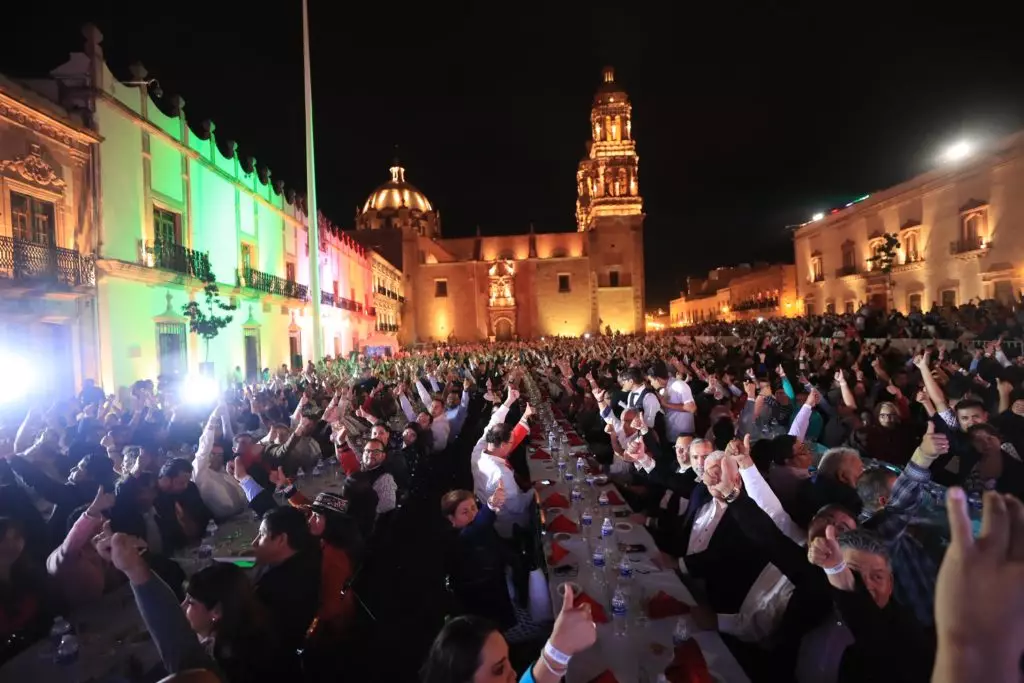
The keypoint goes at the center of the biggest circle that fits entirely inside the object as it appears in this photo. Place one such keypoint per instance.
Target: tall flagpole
(312, 216)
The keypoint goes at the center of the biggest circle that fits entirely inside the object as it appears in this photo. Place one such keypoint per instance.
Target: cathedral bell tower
(606, 181)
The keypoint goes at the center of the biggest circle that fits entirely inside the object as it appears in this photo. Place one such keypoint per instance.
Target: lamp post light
(958, 151)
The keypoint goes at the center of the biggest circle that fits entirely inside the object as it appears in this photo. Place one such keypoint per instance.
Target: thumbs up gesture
(824, 551)
(933, 445)
(497, 499)
(574, 628)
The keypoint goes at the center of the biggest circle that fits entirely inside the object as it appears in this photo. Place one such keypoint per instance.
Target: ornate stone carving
(23, 116)
(34, 168)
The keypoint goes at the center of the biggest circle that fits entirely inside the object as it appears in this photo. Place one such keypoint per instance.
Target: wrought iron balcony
(176, 258)
(387, 327)
(965, 246)
(271, 284)
(31, 262)
(326, 298)
(384, 291)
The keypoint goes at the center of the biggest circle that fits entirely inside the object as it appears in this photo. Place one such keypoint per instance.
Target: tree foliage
(204, 318)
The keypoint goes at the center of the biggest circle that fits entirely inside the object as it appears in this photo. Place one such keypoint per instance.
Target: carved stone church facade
(530, 285)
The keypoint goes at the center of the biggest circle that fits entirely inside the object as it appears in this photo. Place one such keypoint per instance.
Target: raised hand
(239, 469)
(528, 412)
(497, 499)
(894, 390)
(574, 628)
(126, 555)
(813, 398)
(979, 595)
(101, 503)
(824, 551)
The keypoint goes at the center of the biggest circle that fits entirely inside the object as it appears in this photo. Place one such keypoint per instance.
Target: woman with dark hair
(219, 626)
(231, 623)
(472, 650)
(416, 452)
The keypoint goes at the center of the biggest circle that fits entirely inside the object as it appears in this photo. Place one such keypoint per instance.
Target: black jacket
(291, 593)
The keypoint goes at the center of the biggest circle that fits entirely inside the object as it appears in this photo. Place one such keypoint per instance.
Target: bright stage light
(958, 151)
(586, 335)
(199, 389)
(20, 377)
(818, 216)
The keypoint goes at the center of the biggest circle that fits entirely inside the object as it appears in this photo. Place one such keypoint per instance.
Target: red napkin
(574, 440)
(606, 677)
(615, 499)
(596, 610)
(556, 500)
(689, 665)
(540, 454)
(663, 605)
(558, 553)
(563, 523)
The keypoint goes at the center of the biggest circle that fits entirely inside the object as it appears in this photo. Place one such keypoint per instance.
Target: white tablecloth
(648, 647)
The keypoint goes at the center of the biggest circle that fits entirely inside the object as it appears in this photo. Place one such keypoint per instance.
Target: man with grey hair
(834, 482)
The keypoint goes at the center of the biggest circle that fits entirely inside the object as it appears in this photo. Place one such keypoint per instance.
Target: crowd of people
(806, 487)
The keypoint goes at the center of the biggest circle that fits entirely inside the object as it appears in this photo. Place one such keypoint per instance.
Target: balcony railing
(757, 304)
(326, 298)
(31, 262)
(271, 284)
(965, 246)
(176, 258)
(384, 291)
(846, 270)
(387, 327)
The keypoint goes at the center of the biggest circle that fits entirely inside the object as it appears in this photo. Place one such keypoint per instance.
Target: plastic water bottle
(561, 468)
(682, 631)
(60, 628)
(317, 470)
(587, 522)
(620, 611)
(581, 466)
(602, 499)
(211, 529)
(607, 529)
(597, 562)
(570, 476)
(576, 495)
(67, 651)
(625, 570)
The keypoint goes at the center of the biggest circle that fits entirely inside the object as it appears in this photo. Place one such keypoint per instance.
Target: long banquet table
(647, 649)
(113, 642)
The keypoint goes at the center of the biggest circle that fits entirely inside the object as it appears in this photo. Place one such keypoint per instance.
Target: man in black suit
(288, 579)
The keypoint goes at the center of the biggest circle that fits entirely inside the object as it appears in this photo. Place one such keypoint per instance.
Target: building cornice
(192, 154)
(77, 141)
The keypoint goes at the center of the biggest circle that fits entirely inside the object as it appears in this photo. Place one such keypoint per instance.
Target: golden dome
(397, 194)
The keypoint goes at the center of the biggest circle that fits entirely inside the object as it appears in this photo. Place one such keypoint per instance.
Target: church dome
(397, 194)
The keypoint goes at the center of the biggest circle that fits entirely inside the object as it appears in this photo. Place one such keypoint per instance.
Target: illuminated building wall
(567, 283)
(47, 287)
(174, 202)
(959, 232)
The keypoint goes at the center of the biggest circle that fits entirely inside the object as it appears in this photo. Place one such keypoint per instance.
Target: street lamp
(818, 216)
(958, 151)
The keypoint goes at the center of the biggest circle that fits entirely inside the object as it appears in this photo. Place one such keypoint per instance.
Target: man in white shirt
(432, 417)
(493, 470)
(219, 490)
(676, 400)
(498, 416)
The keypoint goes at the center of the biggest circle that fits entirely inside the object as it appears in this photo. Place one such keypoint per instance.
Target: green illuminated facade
(174, 203)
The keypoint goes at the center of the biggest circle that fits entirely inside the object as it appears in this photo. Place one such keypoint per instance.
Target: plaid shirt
(903, 527)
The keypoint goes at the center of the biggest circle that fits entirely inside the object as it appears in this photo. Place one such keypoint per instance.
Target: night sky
(746, 120)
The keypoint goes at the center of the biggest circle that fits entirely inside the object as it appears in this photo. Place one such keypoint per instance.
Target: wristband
(552, 668)
(556, 655)
(289, 490)
(838, 569)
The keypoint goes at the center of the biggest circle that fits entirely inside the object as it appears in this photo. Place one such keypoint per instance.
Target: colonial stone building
(959, 233)
(738, 293)
(175, 206)
(528, 285)
(48, 335)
